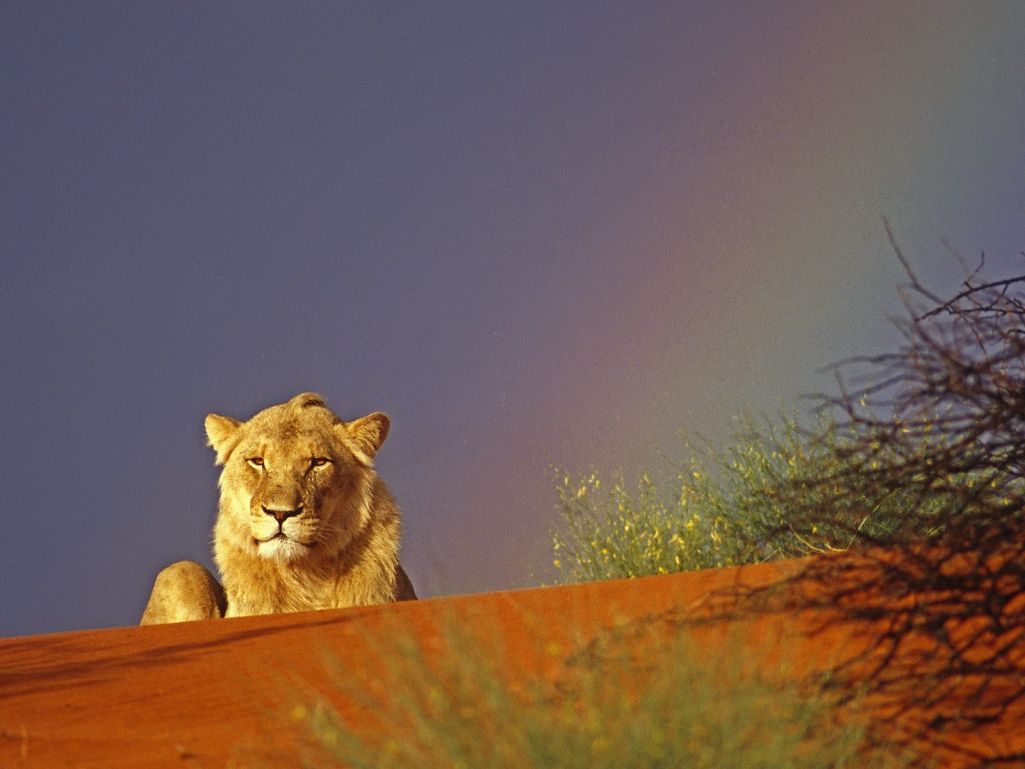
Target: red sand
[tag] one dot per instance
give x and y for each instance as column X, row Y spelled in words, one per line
column 196, row 694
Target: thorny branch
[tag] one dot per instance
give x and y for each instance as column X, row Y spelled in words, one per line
column 938, row 424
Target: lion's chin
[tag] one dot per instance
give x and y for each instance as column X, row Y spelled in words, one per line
column 282, row 549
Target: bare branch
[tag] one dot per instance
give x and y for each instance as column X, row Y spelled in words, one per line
column 930, row 463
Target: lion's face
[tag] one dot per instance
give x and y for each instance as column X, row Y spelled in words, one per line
column 295, row 477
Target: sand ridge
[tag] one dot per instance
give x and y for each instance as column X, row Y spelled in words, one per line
column 200, row 693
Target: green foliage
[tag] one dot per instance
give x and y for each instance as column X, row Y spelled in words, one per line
column 466, row 709
column 774, row 491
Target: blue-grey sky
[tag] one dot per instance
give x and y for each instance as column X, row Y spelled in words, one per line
column 536, row 234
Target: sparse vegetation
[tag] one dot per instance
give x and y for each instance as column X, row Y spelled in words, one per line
column 761, row 497
column 462, row 707
column 922, row 454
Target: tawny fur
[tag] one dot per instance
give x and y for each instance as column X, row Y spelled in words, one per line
column 184, row 591
column 304, row 522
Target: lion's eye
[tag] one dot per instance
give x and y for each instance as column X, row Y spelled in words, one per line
column 256, row 462
column 319, row 461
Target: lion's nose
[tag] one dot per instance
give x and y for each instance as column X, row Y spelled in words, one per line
column 280, row 514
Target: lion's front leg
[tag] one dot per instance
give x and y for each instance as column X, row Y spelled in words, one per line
column 182, row 592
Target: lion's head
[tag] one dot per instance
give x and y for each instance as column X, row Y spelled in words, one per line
column 296, row 479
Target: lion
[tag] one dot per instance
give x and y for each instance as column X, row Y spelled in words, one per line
column 304, row 521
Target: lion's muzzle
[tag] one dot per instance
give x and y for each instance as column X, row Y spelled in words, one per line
column 281, row 514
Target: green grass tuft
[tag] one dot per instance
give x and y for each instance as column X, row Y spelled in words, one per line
column 464, row 706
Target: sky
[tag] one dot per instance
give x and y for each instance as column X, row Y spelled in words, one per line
column 539, row 235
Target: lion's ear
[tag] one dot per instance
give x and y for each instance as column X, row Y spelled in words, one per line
column 367, row 434
column 222, row 435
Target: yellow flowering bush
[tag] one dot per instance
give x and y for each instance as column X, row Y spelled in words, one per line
column 774, row 491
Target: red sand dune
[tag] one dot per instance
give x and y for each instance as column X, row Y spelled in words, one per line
column 196, row 694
